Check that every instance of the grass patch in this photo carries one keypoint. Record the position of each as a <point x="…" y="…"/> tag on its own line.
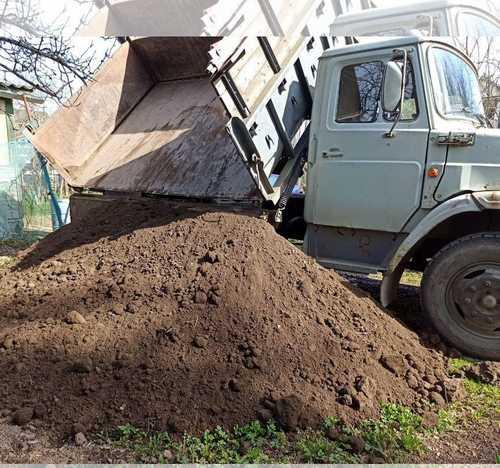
<point x="397" y="433"/>
<point x="458" y="365"/>
<point x="253" y="443"/>
<point x="483" y="401"/>
<point x="447" y="420"/>
<point x="480" y="406"/>
<point x="314" y="447"/>
<point x="393" y="437"/>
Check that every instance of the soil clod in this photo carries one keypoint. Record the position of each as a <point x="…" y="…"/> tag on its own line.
<point x="23" y="416"/>
<point x="200" y="341"/>
<point x="80" y="439"/>
<point x="75" y="318"/>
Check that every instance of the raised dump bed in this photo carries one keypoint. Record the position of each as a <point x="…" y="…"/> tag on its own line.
<point x="191" y="117"/>
<point x="151" y="122"/>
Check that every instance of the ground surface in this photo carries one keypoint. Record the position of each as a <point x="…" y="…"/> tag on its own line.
<point x="175" y="322"/>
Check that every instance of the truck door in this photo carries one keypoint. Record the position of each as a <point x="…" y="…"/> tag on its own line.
<point x="358" y="178"/>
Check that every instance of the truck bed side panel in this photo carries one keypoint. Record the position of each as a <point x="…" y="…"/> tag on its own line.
<point x="78" y="129"/>
<point x="136" y="129"/>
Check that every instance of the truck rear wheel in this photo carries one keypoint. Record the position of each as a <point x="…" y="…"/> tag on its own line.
<point x="461" y="294"/>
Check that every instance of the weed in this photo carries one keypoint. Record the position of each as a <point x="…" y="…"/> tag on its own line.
<point x="457" y="365"/>
<point x="9" y="247"/>
<point x="447" y="419"/>
<point x="145" y="445"/>
<point x="314" y="447"/>
<point x="215" y="446"/>
<point x="262" y="436"/>
<point x="330" y="421"/>
<point x="483" y="399"/>
<point x="480" y="405"/>
<point x="395" y="434"/>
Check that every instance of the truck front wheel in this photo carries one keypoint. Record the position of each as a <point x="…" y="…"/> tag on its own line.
<point x="461" y="294"/>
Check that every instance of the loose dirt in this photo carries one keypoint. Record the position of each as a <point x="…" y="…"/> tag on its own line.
<point x="183" y="319"/>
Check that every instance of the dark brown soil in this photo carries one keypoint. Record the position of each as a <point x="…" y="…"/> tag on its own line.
<point x="477" y="444"/>
<point x="178" y="319"/>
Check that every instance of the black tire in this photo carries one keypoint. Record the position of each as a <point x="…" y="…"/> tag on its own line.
<point x="461" y="294"/>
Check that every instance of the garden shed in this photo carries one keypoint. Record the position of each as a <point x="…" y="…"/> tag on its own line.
<point x="15" y="153"/>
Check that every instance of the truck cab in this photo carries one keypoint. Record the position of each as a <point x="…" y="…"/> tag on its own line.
<point x="413" y="184"/>
<point x="443" y="18"/>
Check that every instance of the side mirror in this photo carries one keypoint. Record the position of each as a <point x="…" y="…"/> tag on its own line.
<point x="393" y="86"/>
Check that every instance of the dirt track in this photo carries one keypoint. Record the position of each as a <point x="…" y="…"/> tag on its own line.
<point x="184" y="320"/>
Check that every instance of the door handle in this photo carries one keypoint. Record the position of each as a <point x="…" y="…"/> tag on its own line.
<point x="333" y="153"/>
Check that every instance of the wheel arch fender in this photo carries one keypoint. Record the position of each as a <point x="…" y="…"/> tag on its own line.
<point x="467" y="203"/>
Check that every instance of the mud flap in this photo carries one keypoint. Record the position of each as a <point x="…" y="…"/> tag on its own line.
<point x="390" y="286"/>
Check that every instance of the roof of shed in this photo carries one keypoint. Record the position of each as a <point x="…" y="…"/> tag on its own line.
<point x="9" y="90"/>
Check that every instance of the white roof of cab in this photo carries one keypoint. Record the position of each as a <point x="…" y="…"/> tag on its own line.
<point x="382" y="44"/>
<point x="386" y="44"/>
<point x="390" y="43"/>
<point x="409" y="7"/>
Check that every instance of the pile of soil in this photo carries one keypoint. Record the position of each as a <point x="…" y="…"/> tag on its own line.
<point x="183" y="319"/>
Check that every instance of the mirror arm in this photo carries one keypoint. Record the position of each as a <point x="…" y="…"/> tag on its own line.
<point x="390" y="133"/>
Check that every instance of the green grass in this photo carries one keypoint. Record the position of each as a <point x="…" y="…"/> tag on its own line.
<point x="480" y="406"/>
<point x="397" y="433"/>
<point x="447" y="420"/>
<point x="314" y="447"/>
<point x="27" y="239"/>
<point x="457" y="365"/>
<point x="483" y="401"/>
<point x="394" y="437"/>
<point x="252" y="443"/>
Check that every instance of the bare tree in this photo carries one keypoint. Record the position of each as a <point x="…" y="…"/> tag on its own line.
<point x="44" y="56"/>
<point x="484" y="52"/>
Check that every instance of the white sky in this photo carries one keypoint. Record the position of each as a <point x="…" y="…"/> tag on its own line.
<point x="55" y="10"/>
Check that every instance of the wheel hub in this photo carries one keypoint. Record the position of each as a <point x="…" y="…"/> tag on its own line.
<point x="475" y="294"/>
<point x="489" y="301"/>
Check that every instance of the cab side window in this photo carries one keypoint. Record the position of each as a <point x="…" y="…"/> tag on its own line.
<point x="359" y="97"/>
<point x="361" y="92"/>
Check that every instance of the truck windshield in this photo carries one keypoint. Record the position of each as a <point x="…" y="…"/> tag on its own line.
<point x="456" y="87"/>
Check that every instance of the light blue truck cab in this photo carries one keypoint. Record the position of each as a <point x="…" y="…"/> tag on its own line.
<point x="409" y="183"/>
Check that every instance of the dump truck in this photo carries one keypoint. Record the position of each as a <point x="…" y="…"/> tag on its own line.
<point x="399" y="166"/>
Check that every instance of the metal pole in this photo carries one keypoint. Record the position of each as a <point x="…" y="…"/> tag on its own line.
<point x="56" y="209"/>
